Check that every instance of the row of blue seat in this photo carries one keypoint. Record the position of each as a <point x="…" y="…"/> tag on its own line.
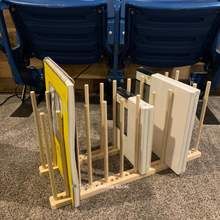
<point x="158" y="33"/>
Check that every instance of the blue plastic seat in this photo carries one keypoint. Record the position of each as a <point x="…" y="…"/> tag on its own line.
<point x="70" y="32"/>
<point x="171" y="33"/>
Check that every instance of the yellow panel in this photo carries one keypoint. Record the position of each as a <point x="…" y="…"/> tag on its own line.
<point x="52" y="80"/>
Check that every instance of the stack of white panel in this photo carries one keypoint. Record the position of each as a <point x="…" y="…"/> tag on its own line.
<point x="181" y="123"/>
<point x="145" y="134"/>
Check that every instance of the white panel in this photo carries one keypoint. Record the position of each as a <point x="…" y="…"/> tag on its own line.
<point x="182" y="119"/>
<point x="146" y="134"/>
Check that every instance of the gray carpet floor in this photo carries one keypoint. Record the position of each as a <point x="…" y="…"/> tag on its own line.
<point x="24" y="194"/>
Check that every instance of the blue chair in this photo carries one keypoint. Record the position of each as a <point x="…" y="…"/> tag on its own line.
<point x="173" y="33"/>
<point x="70" y="32"/>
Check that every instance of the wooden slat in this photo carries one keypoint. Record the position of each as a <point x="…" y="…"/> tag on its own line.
<point x="62" y="151"/>
<point x="129" y="85"/>
<point x="101" y="91"/>
<point x="88" y="134"/>
<point x="50" y="125"/>
<point x="114" y="104"/>
<point x="122" y="121"/>
<point x="202" y="116"/>
<point x="38" y="127"/>
<point x="167" y="124"/>
<point x="105" y="128"/>
<point x="177" y="75"/>
<point x="137" y="134"/>
<point x="141" y="92"/>
<point x="48" y="154"/>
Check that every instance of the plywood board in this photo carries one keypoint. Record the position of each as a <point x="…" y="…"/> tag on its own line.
<point x="181" y="123"/>
<point x="63" y="99"/>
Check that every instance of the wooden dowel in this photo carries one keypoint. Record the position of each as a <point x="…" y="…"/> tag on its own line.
<point x="122" y="113"/>
<point x="38" y="127"/>
<point x="194" y="85"/>
<point x="137" y="135"/>
<point x="78" y="155"/>
<point x="167" y="74"/>
<point x="170" y="99"/>
<point x="50" y="125"/>
<point x="203" y="112"/>
<point x="88" y="134"/>
<point x="89" y="145"/>
<point x="63" y="151"/>
<point x="153" y="98"/>
<point x="177" y="75"/>
<point x="106" y="163"/>
<point x="101" y="88"/>
<point x="114" y="104"/>
<point x="129" y="85"/>
<point x="141" y="92"/>
<point x="48" y="155"/>
<point x="86" y="91"/>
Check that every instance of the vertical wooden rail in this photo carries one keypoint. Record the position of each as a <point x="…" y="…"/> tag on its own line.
<point x="202" y="116"/>
<point x="153" y="98"/>
<point x="114" y="105"/>
<point x="78" y="155"/>
<point x="194" y="85"/>
<point x="129" y="85"/>
<point x="177" y="75"/>
<point x="101" y="90"/>
<point x="167" y="124"/>
<point x="38" y="127"/>
<point x="141" y="92"/>
<point x="122" y="121"/>
<point x="63" y="151"/>
<point x="137" y="128"/>
<point x="105" y="128"/>
<point x="88" y="134"/>
<point x="50" y="123"/>
<point x="167" y="74"/>
<point x="48" y="155"/>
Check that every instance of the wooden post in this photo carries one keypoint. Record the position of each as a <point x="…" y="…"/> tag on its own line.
<point x="141" y="87"/>
<point x="137" y="128"/>
<point x="50" y="125"/>
<point x="88" y="134"/>
<point x="49" y="160"/>
<point x="129" y="85"/>
<point x="78" y="157"/>
<point x="122" y="121"/>
<point x="62" y="151"/>
<point x="101" y="88"/>
<point x="153" y="98"/>
<point x="177" y="75"/>
<point x="167" y="74"/>
<point x="202" y="116"/>
<point x="105" y="129"/>
<point x="38" y="127"/>
<point x="114" y="105"/>
<point x="167" y="124"/>
<point x="194" y="85"/>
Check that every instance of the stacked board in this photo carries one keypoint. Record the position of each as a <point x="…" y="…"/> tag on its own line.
<point x="181" y="122"/>
<point x="61" y="88"/>
<point x="145" y="134"/>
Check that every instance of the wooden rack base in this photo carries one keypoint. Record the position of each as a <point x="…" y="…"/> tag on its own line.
<point x="45" y="170"/>
<point x="98" y="154"/>
<point x="100" y="186"/>
<point x="61" y="201"/>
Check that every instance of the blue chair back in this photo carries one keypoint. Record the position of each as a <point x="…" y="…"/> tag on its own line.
<point x="172" y="33"/>
<point x="70" y="32"/>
